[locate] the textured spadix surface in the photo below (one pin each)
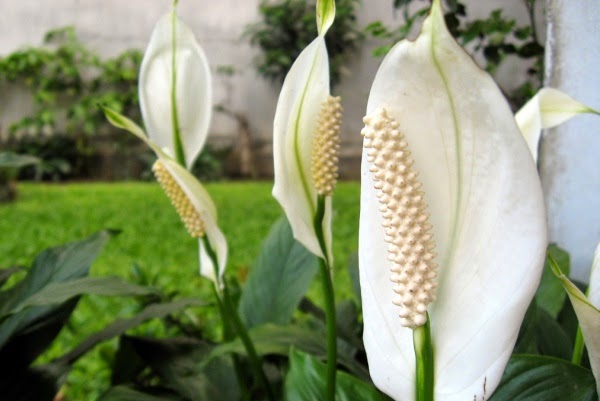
(193, 89)
(487, 212)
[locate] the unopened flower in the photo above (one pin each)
(175, 90)
(444, 164)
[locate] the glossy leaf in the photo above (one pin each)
(539, 378)
(270, 339)
(486, 208)
(305, 381)
(278, 280)
(54, 265)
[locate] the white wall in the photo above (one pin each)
(111, 26)
(570, 153)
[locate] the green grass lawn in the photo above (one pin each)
(154, 239)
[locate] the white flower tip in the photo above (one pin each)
(408, 232)
(189, 215)
(325, 15)
(326, 147)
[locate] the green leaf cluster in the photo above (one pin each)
(68, 81)
(288, 26)
(34, 309)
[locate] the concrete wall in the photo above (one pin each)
(111, 26)
(570, 153)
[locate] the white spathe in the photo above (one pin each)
(193, 93)
(194, 191)
(548, 108)
(304, 90)
(487, 211)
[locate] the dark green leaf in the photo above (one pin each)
(527, 340)
(13, 160)
(154, 311)
(27, 344)
(6, 273)
(270, 339)
(279, 279)
(177, 362)
(33, 384)
(54, 265)
(305, 381)
(551, 337)
(541, 378)
(55, 293)
(551, 295)
(126, 393)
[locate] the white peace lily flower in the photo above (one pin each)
(307, 120)
(548, 108)
(432, 111)
(588, 312)
(177, 116)
(189, 197)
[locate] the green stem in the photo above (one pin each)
(230, 315)
(228, 335)
(329, 296)
(578, 348)
(424, 362)
(177, 144)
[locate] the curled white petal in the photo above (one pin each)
(193, 88)
(487, 212)
(304, 90)
(548, 108)
(194, 191)
(588, 314)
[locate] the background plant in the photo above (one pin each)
(489, 40)
(67, 81)
(288, 26)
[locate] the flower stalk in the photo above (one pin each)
(424, 362)
(329, 299)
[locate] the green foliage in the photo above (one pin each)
(33, 311)
(539, 378)
(10, 164)
(306, 382)
(68, 81)
(288, 26)
(60, 156)
(490, 40)
(278, 280)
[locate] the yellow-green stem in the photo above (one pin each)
(329, 297)
(424, 362)
(578, 348)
